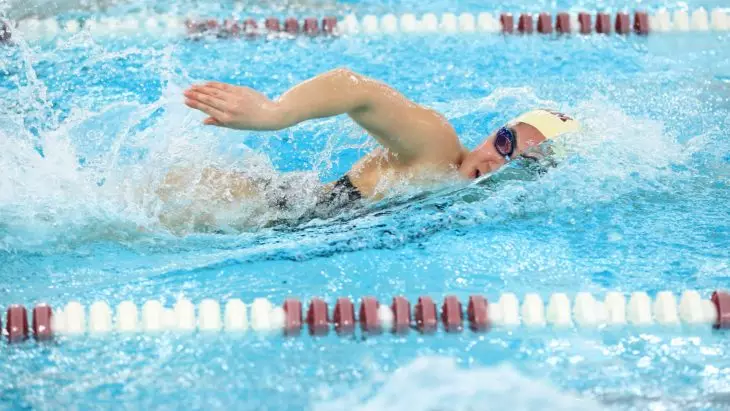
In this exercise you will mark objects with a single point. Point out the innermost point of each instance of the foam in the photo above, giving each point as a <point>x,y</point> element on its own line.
<point>49,198</point>
<point>435,382</point>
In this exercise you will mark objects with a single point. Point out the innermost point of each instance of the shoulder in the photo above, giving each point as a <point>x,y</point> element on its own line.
<point>433,125</point>
<point>442,137</point>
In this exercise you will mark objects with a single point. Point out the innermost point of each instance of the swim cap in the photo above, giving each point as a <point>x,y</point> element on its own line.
<point>549,122</point>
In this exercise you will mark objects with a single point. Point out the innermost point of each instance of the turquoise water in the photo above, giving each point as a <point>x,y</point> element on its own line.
<point>90,127</point>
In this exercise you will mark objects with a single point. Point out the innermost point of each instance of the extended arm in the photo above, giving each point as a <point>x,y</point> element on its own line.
<point>398,123</point>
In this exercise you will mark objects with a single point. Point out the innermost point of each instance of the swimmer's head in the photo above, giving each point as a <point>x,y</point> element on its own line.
<point>519,136</point>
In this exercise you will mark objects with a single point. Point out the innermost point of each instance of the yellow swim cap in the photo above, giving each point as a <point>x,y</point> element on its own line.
<point>549,122</point>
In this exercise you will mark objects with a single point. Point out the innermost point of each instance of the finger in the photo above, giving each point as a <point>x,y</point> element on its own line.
<point>211,111</point>
<point>207,88</point>
<point>212,85</point>
<point>220,86</point>
<point>211,121</point>
<point>207,100</point>
<point>211,91</point>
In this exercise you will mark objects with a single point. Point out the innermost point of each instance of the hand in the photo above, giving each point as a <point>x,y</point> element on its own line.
<point>233,106</point>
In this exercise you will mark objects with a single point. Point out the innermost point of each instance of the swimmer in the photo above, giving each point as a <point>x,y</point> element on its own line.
<point>413,140</point>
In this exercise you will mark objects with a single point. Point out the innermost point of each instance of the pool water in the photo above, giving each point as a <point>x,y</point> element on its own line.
<point>89,128</point>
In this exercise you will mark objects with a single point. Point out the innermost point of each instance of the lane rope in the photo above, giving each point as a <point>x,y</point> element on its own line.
<point>545,23</point>
<point>479,315</point>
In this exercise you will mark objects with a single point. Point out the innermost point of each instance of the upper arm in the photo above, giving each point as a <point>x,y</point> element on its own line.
<point>396,122</point>
<point>399,124</point>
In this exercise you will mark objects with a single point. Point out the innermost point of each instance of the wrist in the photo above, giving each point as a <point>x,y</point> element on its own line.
<point>277,115</point>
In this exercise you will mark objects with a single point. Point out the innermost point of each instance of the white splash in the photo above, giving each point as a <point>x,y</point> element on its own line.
<point>438,383</point>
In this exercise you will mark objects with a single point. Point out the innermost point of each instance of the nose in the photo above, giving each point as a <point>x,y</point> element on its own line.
<point>485,159</point>
<point>493,160</point>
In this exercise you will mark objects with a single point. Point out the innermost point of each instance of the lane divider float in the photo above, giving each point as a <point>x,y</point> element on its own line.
<point>622,22</point>
<point>372,317</point>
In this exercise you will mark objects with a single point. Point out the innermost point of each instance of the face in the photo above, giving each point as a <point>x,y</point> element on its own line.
<point>485,158</point>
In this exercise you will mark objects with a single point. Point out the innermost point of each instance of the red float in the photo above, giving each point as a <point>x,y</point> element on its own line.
<point>451,314</point>
<point>250,27</point>
<point>525,24</point>
<point>603,23</point>
<point>202,27</point>
<point>293,317</point>
<point>311,26</point>
<point>16,326</point>
<point>544,23</point>
<point>344,316</point>
<point>369,320</point>
<point>641,23</point>
<point>231,28</point>
<point>584,19</point>
<point>211,25</point>
<point>291,26</point>
<point>272,24</point>
<point>426,317</point>
<point>562,23</point>
<point>477,313</point>
<point>42,316</point>
<point>318,317</point>
<point>401,315</point>
<point>721,300</point>
<point>508,24</point>
<point>623,23</point>
<point>329,24</point>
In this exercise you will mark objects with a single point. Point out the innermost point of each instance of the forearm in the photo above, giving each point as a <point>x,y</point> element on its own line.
<point>335,92</point>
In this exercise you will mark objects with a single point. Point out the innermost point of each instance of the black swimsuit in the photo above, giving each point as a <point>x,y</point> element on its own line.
<point>342,193</point>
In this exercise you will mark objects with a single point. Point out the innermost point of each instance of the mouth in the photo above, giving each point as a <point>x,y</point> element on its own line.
<point>477,173</point>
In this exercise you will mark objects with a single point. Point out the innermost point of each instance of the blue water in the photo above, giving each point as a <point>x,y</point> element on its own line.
<point>89,127</point>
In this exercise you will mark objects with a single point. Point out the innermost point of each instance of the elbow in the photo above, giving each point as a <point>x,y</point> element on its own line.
<point>349,77</point>
<point>344,72</point>
<point>356,86</point>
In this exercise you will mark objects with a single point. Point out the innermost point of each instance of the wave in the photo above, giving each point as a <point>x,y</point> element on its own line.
<point>433,383</point>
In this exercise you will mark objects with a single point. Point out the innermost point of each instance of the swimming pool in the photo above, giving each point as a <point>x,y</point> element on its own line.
<point>93,121</point>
